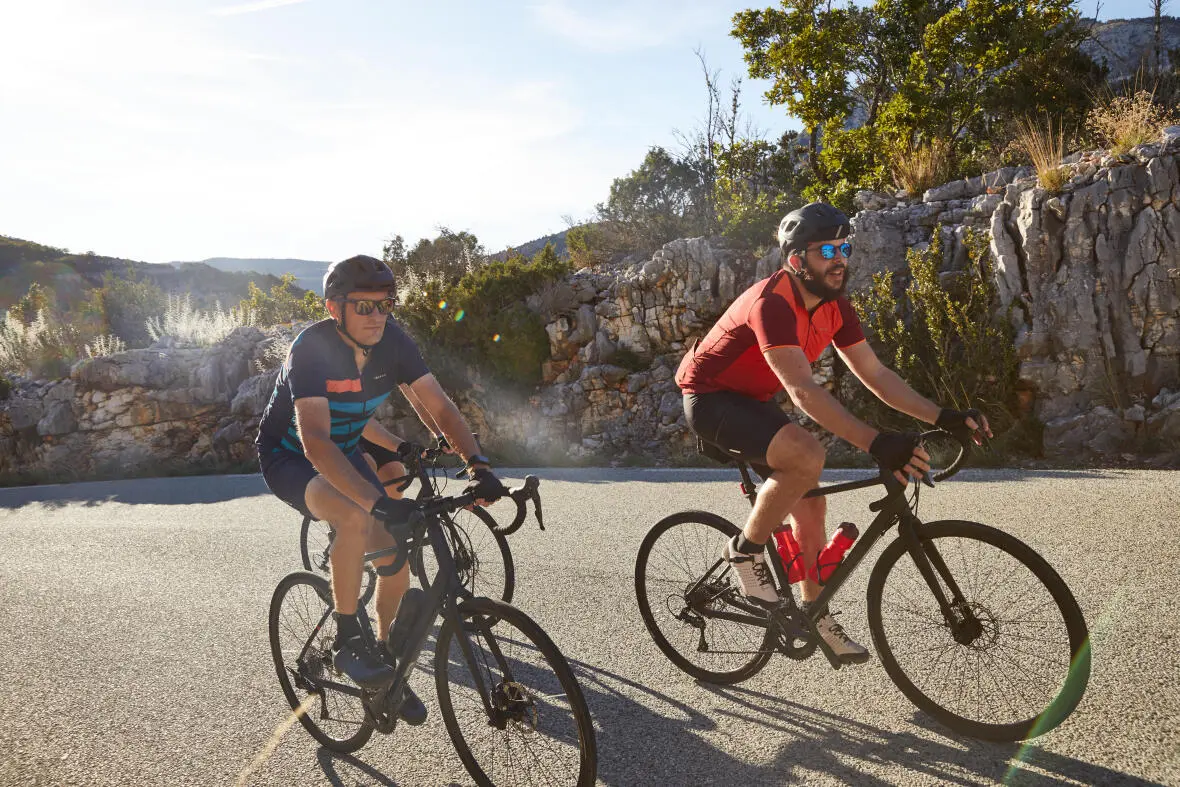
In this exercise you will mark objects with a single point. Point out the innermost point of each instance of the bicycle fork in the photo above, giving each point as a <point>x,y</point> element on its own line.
<point>960,619</point>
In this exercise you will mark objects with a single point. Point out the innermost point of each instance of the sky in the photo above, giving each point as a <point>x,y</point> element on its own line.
<point>162,130</point>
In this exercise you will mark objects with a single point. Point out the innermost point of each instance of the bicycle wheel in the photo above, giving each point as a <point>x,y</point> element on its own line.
<point>1016,673</point>
<point>482,556</point>
<point>539,730</point>
<point>315,543</point>
<point>673,558</point>
<point>301,635</point>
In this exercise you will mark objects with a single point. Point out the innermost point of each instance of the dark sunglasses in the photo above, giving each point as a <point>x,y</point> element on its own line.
<point>365,307</point>
<point>828,250</point>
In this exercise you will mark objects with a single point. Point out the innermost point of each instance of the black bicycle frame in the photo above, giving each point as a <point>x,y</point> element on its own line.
<point>891,510</point>
<point>438,599</point>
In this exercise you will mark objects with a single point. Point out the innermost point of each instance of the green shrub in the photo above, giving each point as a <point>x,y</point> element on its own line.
<point>123,306</point>
<point>5,387</point>
<point>946,342</point>
<point>282,304</point>
<point>482,318</point>
<point>45,348</point>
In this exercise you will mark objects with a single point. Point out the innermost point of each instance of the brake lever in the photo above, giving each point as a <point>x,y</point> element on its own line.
<point>536,496</point>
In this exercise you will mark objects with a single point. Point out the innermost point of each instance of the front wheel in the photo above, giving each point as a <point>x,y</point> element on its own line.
<point>1013,660</point>
<point>510,701</point>
<point>482,557</point>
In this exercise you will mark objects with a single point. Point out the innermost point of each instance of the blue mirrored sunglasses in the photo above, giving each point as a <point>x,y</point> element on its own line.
<point>828,250</point>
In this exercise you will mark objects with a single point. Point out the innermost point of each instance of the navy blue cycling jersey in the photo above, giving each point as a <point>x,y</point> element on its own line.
<point>322,364</point>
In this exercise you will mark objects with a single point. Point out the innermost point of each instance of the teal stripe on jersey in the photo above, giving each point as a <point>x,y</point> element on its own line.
<point>357,407</point>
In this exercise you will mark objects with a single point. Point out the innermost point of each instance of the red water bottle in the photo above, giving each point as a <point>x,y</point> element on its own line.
<point>788,552</point>
<point>831,555</point>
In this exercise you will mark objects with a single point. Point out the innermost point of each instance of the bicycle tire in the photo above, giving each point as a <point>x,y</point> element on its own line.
<point>337,725</point>
<point>1074,662</point>
<point>314,536</point>
<point>529,709</point>
<point>759,647</point>
<point>492,582</point>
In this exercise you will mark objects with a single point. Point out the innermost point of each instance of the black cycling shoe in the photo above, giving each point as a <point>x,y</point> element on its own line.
<point>412,711</point>
<point>365,668</point>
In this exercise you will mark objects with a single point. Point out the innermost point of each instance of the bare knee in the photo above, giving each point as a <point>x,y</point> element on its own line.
<point>795,452</point>
<point>354,524</point>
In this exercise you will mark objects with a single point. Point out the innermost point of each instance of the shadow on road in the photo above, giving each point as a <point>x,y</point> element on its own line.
<point>187,490</point>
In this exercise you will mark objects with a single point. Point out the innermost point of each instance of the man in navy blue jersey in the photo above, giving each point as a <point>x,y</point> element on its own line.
<point>337,373</point>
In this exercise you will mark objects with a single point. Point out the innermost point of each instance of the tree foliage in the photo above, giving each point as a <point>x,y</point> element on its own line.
<point>441,260</point>
<point>876,83</point>
<point>482,319</point>
<point>282,304</point>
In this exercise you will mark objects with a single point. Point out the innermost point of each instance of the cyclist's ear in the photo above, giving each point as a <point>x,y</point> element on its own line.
<point>795,262</point>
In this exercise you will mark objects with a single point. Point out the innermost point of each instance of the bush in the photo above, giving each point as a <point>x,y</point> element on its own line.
<point>483,319</point>
<point>1046,149</point>
<point>105,344</point>
<point>282,304</point>
<point>123,306</point>
<point>1119,123</point>
<point>45,348</point>
<point>922,167</point>
<point>946,342</point>
<point>191,326</point>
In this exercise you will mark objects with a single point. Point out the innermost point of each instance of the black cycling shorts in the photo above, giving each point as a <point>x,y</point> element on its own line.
<point>380,453</point>
<point>287,474</point>
<point>739,425</point>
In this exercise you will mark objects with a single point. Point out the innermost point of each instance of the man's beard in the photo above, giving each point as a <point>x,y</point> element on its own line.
<point>818,286</point>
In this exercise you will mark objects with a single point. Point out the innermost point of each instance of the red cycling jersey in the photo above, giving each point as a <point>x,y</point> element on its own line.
<point>769,314</point>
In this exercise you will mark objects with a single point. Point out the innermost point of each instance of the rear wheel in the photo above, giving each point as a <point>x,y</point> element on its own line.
<point>302,629</point>
<point>1016,659</point>
<point>537,730</point>
<point>681,582</point>
<point>315,545</point>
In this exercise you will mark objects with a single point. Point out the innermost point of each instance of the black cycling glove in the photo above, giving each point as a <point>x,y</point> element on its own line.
<point>485,485</point>
<point>893,450</point>
<point>409,450</point>
<point>388,509</point>
<point>442,443</point>
<point>955,422</point>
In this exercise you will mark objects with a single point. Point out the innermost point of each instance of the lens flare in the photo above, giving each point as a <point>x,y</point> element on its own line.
<point>442,304</point>
<point>459,315</point>
<point>496,338</point>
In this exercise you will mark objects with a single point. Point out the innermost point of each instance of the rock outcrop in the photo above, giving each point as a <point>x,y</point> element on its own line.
<point>1089,277</point>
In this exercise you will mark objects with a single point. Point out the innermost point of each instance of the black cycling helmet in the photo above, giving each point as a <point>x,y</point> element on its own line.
<point>357,273</point>
<point>813,221</point>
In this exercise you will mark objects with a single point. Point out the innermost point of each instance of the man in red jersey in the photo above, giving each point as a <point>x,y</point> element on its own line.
<point>766,341</point>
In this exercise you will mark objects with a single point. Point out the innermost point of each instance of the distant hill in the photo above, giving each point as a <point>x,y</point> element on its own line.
<point>71,276</point>
<point>1122,45</point>
<point>534,246</point>
<point>309,274</point>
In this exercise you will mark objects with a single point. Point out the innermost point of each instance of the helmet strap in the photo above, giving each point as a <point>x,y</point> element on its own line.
<point>343,329</point>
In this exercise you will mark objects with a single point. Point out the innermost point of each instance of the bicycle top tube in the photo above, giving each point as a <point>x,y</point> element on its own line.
<point>892,485</point>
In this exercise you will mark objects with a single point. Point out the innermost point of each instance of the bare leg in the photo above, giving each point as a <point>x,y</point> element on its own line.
<point>796,459</point>
<point>808,520</point>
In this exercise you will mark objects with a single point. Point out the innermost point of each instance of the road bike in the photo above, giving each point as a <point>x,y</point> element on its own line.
<point>971,624</point>
<point>479,546</point>
<point>510,702</point>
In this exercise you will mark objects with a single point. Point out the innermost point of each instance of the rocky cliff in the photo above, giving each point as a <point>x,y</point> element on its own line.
<point>1090,278</point>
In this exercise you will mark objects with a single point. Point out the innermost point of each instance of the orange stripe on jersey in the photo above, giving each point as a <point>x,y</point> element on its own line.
<point>344,386</point>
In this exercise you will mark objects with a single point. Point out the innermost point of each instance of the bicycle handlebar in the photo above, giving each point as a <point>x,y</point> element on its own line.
<point>402,532</point>
<point>894,487</point>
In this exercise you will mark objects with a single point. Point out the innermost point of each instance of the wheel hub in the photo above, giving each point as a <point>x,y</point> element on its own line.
<point>513,704</point>
<point>976,626</point>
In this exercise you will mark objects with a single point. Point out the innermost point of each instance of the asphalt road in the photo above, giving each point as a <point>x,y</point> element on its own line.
<point>134,647</point>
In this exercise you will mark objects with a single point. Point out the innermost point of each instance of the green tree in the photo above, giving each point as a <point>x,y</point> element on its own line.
<point>444,259</point>
<point>123,305</point>
<point>664,199</point>
<point>283,304</point>
<point>756,183</point>
<point>915,72</point>
<point>31,304</point>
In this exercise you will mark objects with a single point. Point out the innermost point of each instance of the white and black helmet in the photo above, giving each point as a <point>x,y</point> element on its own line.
<point>813,221</point>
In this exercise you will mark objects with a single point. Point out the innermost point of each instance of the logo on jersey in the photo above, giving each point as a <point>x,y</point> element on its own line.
<point>344,386</point>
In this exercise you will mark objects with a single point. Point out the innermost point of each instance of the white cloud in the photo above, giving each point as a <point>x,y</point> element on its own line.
<point>628,27</point>
<point>249,8</point>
